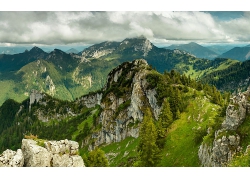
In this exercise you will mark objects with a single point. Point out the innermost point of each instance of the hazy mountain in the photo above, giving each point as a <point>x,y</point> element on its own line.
<point>239,53</point>
<point>195,49</point>
<point>222,48</point>
<point>72,50</point>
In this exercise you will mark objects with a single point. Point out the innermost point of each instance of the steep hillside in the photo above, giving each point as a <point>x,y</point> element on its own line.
<point>195,49</point>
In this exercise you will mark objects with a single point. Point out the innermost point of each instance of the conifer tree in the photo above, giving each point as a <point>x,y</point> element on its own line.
<point>149,153</point>
<point>166,116</point>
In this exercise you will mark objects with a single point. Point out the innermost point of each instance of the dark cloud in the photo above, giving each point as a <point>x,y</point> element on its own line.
<point>93,27</point>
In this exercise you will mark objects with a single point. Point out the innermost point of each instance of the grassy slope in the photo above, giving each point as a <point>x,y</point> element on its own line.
<point>180,148</point>
<point>199,73</point>
<point>37,81</point>
<point>120,153</point>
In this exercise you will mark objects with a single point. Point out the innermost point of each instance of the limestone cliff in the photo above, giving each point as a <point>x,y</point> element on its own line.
<point>62,153</point>
<point>126,94</point>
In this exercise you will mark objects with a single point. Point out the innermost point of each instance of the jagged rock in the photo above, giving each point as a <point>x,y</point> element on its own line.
<point>55,154</point>
<point>153,102</point>
<point>50,85</point>
<point>34,155</point>
<point>116,126</point>
<point>11,158</point>
<point>236,112</point>
<point>224,148</point>
<point>92,100</point>
<point>205,155</point>
<point>221,152</point>
<point>35,96</point>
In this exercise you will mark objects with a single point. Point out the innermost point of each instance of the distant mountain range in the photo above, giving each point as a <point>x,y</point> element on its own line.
<point>195,49</point>
<point>69,76</point>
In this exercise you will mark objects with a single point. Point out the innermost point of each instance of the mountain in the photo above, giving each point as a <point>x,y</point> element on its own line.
<point>69,76</point>
<point>220,49</point>
<point>186,122</point>
<point>16,61</point>
<point>72,50</point>
<point>136,48</point>
<point>239,53</point>
<point>195,49</point>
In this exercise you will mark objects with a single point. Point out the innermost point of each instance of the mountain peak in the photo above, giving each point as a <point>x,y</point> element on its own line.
<point>72,50</point>
<point>36,49</point>
<point>58,51</point>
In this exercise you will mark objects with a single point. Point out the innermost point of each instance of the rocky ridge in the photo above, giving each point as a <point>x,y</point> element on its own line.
<point>62,153</point>
<point>122,108</point>
<point>226,145</point>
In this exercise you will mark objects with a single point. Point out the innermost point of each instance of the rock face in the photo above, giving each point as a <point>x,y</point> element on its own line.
<point>122,109</point>
<point>11,158</point>
<point>64,153</point>
<point>34,155</point>
<point>236,111</point>
<point>55,154</point>
<point>92,100</point>
<point>225,145</point>
<point>221,152</point>
<point>35,96</point>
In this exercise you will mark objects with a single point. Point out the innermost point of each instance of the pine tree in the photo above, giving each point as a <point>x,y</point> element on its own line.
<point>166,116</point>
<point>175,101</point>
<point>149,153</point>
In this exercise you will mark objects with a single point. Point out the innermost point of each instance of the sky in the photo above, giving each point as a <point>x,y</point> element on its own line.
<point>75,28</point>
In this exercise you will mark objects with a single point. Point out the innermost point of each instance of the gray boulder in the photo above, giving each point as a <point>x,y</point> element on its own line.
<point>34,155</point>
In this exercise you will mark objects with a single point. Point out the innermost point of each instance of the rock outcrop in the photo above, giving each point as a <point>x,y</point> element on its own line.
<point>35,96</point>
<point>122,108</point>
<point>221,152</point>
<point>11,158</point>
<point>34,155</point>
<point>236,111</point>
<point>91,100</point>
<point>226,144</point>
<point>62,153</point>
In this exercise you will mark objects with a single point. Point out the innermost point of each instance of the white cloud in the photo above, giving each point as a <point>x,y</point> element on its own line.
<point>94,27</point>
